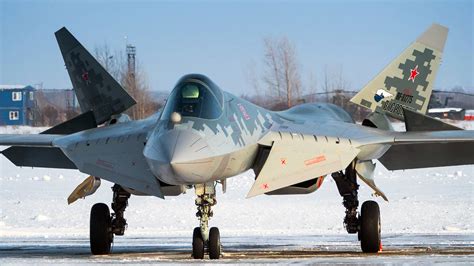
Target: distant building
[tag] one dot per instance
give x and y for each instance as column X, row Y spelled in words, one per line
column 469, row 115
column 17, row 105
column 447, row 113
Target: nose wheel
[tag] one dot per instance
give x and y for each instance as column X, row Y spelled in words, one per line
column 214, row 245
column 206, row 240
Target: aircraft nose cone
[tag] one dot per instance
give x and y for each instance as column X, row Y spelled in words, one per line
column 178, row 157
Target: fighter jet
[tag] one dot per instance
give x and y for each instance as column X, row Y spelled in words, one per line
column 204, row 135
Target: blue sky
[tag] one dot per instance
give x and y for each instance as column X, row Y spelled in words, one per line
column 222, row 40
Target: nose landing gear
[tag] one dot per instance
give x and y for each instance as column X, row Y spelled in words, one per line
column 205, row 240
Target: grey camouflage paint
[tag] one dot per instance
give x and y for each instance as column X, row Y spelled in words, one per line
column 408, row 94
column 95, row 88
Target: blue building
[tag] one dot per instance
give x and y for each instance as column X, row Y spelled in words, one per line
column 17, row 105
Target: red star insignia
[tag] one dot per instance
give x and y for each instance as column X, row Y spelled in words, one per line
column 85, row 75
column 283, row 161
column 265, row 186
column 413, row 73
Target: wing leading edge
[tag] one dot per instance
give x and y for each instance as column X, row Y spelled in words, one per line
column 28, row 140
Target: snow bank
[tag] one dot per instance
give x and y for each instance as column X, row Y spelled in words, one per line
column 21, row 129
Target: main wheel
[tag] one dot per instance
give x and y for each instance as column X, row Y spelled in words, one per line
column 369, row 233
column 198, row 244
column 214, row 244
column 101, row 235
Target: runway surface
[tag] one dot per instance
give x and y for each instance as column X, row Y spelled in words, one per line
column 306, row 249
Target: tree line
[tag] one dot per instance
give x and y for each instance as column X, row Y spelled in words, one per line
column 279, row 84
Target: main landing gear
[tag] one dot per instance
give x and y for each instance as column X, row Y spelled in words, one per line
column 367, row 224
column 205, row 239
column 104, row 226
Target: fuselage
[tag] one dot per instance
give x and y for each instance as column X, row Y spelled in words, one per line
column 208, row 145
column 215, row 138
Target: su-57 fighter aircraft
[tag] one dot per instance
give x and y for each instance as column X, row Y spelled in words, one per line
column 204, row 135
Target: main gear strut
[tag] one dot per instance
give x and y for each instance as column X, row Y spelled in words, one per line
column 348, row 188
column 119, row 203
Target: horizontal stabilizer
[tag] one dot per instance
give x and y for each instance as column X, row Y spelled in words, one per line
column 38, row 157
column 95, row 88
column 46, row 156
column 418, row 122
column 79, row 123
column 411, row 150
column 411, row 156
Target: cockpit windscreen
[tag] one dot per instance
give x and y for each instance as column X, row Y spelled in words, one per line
column 193, row 98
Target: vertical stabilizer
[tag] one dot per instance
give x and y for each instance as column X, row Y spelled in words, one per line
column 407, row 82
column 95, row 88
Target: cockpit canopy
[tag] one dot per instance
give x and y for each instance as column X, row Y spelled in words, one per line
column 195, row 96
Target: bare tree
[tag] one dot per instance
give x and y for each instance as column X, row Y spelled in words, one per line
column 251, row 75
column 326, row 83
column 137, row 85
column 340, row 82
column 312, row 88
column 50, row 116
column 272, row 75
column 113, row 62
column 281, row 74
column 134, row 82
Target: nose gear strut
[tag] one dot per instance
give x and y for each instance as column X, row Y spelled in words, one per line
column 205, row 239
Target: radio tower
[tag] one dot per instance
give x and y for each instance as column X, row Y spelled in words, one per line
column 131, row 51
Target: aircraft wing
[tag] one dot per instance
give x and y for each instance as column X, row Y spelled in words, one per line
column 121, row 163
column 300, row 153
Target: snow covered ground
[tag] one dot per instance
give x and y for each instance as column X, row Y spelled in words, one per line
column 308, row 250
column 435, row 201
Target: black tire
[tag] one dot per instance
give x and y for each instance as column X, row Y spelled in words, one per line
column 198, row 244
column 101, row 235
column 214, row 244
column 370, row 227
